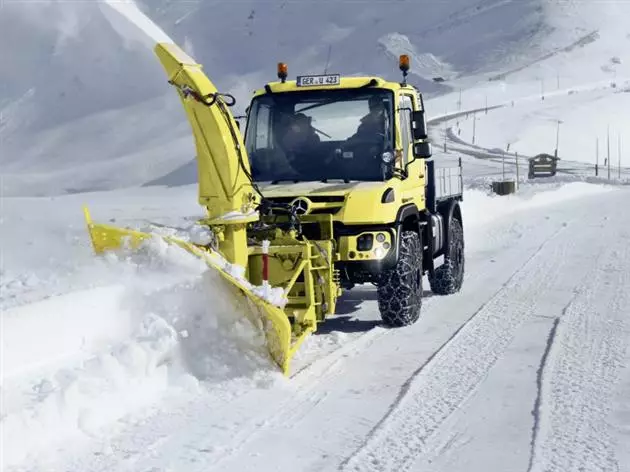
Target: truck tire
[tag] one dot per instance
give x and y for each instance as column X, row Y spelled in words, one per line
column 449, row 277
column 400, row 288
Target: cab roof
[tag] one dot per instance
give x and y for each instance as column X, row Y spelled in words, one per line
column 341, row 83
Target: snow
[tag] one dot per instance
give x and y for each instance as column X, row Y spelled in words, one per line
column 129, row 10
column 538, row 288
column 426, row 65
column 582, row 127
column 482, row 208
column 110, row 356
column 143, row 362
column 99, row 354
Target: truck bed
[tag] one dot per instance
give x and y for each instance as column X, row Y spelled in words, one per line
column 448, row 182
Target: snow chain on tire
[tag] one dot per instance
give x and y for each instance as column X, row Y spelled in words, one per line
column 400, row 288
column 449, row 277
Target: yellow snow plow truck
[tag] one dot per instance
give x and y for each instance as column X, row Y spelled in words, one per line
column 331, row 184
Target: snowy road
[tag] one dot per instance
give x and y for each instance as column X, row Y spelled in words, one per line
column 517, row 372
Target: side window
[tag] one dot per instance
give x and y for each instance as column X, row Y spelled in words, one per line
column 405, row 106
column 263, row 128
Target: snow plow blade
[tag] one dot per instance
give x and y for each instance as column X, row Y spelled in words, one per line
column 268, row 317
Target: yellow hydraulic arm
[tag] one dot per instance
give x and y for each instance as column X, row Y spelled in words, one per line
column 225, row 186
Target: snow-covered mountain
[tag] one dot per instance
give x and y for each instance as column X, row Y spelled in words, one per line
column 85, row 105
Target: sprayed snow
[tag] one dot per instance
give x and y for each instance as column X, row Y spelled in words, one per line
column 200, row 234
column 275, row 295
column 129, row 10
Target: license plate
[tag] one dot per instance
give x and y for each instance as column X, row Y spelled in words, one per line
column 316, row 80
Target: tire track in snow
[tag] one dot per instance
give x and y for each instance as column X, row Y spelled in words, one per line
column 438, row 388
column 407, row 385
column 539, row 382
column 331, row 365
column 536, row 412
column 470, row 430
column 577, row 381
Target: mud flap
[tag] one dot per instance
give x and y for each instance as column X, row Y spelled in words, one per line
column 263, row 314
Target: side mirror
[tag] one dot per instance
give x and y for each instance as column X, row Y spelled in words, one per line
column 422, row 150
column 418, row 125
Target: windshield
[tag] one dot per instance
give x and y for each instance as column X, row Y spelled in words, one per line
column 320, row 135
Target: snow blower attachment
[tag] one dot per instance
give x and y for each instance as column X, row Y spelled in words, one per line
column 273, row 259
column 295, row 216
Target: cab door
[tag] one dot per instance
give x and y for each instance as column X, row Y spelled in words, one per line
column 414, row 185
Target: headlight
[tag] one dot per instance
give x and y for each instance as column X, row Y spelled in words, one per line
column 365, row 242
column 387, row 157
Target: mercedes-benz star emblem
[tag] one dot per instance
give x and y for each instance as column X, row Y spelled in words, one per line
column 301, row 206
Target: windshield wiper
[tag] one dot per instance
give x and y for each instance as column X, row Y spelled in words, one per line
column 277, row 181
column 345, row 181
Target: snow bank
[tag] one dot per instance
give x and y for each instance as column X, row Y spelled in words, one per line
column 80, row 321
column 481, row 207
column 82, row 361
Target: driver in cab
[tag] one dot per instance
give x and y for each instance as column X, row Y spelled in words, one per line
column 372, row 126
column 300, row 142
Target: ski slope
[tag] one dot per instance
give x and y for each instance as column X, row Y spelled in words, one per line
column 138, row 363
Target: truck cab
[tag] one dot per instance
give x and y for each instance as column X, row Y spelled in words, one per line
column 355, row 150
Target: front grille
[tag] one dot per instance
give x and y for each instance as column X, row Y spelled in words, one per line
column 322, row 211
column 334, row 199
